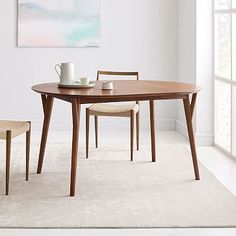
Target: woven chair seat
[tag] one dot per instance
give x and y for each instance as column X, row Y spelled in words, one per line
column 16, row 128
column 122, row 110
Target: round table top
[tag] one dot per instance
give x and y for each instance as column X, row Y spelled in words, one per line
column 121, row 88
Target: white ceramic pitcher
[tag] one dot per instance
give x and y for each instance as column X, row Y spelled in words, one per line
column 66, row 72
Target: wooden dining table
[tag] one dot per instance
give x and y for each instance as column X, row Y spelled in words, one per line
column 123, row 91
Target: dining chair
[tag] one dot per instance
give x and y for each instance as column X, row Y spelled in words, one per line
column 114, row 110
column 8, row 131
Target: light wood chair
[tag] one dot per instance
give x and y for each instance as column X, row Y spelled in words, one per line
column 117, row 110
column 9, row 130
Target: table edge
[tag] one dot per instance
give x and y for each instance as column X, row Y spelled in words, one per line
column 198, row 89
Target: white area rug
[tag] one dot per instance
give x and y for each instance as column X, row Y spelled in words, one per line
column 113, row 192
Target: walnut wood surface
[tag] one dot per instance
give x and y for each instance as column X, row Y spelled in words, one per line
column 8, row 156
column 132, row 135
column 75, row 140
column 152, row 126
column 28, row 135
column 188, row 114
column 87, row 131
column 47, row 107
column 96, row 130
column 123, row 90
column 137, row 129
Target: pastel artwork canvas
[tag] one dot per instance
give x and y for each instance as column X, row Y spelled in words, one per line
column 59, row 23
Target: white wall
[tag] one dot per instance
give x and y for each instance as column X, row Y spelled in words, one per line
column 136, row 35
column 204, row 76
column 186, row 52
column 195, row 64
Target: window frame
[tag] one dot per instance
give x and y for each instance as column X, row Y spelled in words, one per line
column 230, row 81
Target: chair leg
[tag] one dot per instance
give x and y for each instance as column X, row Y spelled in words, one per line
column 28, row 134
column 137, row 129
column 87, row 131
column 8, row 156
column 131, row 134
column 96, row 130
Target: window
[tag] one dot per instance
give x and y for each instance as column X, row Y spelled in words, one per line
column 225, row 75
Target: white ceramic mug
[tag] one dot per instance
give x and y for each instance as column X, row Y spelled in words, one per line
column 107, row 85
column 84, row 80
column 66, row 72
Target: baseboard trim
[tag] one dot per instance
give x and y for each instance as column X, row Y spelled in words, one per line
column 205, row 139
column 202, row 139
column 181, row 128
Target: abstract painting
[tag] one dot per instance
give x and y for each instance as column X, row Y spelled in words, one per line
column 59, row 23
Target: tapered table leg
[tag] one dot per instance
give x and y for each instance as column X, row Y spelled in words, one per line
column 137, row 129
column 8, row 156
column 28, row 134
column 131, row 135
column 47, row 107
column 152, row 125
column 96, row 130
column 189, row 113
column 75, row 140
column 87, row 131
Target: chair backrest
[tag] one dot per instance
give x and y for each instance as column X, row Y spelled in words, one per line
column 99, row 72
